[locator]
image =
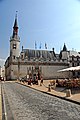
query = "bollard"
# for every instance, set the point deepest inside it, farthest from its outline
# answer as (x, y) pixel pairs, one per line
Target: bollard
(49, 88)
(68, 93)
(31, 84)
(40, 84)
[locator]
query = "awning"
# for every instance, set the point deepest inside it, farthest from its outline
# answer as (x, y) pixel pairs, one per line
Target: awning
(77, 68)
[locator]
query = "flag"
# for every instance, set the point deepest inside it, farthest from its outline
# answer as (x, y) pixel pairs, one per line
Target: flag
(35, 45)
(40, 46)
(45, 46)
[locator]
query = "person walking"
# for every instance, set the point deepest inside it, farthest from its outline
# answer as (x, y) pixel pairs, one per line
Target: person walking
(41, 82)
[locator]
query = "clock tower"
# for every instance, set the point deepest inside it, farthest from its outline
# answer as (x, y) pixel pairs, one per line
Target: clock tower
(14, 41)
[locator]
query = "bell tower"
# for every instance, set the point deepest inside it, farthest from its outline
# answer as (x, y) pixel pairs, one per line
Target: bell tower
(14, 41)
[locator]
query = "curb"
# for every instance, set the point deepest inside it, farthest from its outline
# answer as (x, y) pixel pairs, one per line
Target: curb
(0, 103)
(63, 98)
(6, 111)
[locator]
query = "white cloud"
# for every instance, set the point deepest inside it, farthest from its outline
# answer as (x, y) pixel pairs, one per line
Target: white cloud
(2, 59)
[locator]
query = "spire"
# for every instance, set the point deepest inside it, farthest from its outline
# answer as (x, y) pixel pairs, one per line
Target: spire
(15, 28)
(15, 23)
(22, 48)
(64, 47)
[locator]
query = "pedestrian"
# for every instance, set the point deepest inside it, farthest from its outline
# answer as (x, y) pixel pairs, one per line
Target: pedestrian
(41, 82)
(37, 80)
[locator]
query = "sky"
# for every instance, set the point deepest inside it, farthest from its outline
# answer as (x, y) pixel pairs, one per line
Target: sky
(53, 22)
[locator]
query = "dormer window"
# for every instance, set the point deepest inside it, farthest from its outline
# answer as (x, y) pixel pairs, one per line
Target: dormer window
(14, 46)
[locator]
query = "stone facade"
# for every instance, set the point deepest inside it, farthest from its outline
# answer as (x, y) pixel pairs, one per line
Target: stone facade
(0, 71)
(44, 63)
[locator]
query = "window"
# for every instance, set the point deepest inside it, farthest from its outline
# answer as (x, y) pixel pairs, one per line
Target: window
(78, 73)
(14, 46)
(29, 68)
(72, 64)
(72, 58)
(21, 56)
(14, 57)
(73, 73)
(77, 64)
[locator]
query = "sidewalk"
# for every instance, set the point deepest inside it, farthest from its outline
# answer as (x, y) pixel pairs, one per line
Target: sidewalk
(58, 92)
(0, 104)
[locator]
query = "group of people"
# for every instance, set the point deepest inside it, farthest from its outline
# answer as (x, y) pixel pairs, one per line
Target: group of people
(73, 83)
(35, 80)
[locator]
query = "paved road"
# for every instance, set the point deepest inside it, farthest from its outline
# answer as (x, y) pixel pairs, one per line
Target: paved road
(24, 103)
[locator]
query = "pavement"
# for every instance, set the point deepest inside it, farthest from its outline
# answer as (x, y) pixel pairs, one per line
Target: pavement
(26, 103)
(57, 92)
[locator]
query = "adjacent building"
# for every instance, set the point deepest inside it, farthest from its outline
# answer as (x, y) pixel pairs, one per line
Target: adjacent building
(0, 71)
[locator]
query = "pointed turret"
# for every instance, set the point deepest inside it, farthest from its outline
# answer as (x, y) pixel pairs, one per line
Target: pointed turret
(15, 28)
(63, 53)
(64, 47)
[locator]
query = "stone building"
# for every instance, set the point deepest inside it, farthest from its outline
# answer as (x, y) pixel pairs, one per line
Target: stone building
(0, 71)
(34, 62)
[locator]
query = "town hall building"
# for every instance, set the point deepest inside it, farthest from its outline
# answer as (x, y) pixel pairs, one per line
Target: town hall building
(32, 62)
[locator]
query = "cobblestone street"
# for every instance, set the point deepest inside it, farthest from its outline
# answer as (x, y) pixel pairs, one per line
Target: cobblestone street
(24, 103)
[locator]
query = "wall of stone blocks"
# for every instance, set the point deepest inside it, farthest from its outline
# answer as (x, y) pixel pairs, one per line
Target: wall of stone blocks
(48, 72)
(52, 72)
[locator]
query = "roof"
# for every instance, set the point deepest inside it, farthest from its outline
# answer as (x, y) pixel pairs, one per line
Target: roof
(74, 53)
(38, 53)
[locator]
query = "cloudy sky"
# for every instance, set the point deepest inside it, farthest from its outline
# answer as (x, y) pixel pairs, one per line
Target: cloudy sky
(52, 21)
